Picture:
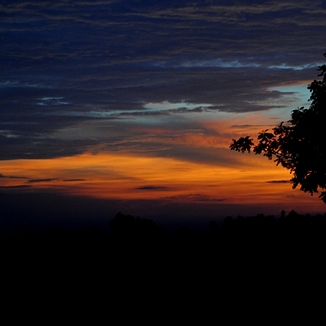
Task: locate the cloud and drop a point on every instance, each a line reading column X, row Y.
column 209, row 63
column 15, row 187
column 11, row 176
column 291, row 67
column 245, row 126
column 51, row 101
column 195, row 198
column 152, row 188
column 127, row 63
column 41, row 180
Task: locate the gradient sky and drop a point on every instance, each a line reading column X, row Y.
column 131, row 105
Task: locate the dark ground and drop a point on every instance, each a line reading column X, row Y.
column 255, row 262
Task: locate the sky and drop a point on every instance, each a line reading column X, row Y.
column 131, row 106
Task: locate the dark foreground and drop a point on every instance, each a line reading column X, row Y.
column 254, row 260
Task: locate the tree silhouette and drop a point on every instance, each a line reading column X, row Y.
column 298, row 144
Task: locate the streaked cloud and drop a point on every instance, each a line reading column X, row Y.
column 47, row 180
column 149, row 94
column 2, row 176
column 51, row 101
column 151, row 188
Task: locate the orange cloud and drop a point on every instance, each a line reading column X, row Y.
column 121, row 176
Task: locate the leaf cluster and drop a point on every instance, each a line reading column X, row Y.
column 299, row 144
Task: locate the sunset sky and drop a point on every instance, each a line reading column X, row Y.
column 131, row 106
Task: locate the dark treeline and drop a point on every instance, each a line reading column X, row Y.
column 246, row 261
column 138, row 238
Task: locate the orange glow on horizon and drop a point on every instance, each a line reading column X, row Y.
column 125, row 177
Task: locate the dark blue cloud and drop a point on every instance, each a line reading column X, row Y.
column 66, row 63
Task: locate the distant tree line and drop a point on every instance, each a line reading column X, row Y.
column 130, row 235
column 139, row 263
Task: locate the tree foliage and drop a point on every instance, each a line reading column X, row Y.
column 298, row 144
